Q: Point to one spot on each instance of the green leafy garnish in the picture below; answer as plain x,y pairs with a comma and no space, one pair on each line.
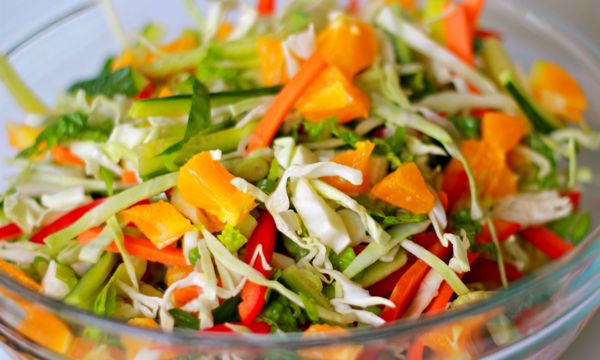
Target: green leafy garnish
462,221
469,127
283,315
125,81
324,129
68,127
199,118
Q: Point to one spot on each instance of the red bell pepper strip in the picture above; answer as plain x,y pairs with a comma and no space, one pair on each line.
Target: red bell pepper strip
574,196
146,92
10,232
257,327
409,283
547,241
455,184
63,221
487,33
253,295
504,230
265,7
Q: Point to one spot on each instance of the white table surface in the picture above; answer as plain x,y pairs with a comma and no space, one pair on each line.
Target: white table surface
19,17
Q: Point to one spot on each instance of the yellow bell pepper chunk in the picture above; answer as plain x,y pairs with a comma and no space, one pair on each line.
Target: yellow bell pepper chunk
21,136
349,44
557,91
272,62
160,222
126,59
206,184
332,94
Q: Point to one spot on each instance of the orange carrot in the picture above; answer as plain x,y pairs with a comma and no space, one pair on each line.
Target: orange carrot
64,156
459,38
139,247
473,10
184,295
129,177
285,101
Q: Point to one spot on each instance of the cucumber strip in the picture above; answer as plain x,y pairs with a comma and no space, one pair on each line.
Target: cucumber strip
84,293
541,121
380,270
179,105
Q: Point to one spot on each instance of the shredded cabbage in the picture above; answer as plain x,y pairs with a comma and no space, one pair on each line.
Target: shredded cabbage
452,103
529,209
51,285
428,290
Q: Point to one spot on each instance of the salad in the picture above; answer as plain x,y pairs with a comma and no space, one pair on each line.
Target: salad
306,167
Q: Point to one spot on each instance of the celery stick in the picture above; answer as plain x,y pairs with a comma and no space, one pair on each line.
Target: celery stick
84,293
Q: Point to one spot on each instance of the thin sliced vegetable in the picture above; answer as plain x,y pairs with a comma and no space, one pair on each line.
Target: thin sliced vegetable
547,241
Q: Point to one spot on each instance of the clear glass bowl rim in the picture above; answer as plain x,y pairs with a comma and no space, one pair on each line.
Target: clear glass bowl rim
585,251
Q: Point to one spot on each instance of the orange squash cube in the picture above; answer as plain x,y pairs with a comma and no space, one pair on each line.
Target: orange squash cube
406,189
160,222
206,184
358,159
557,91
332,94
349,44
272,62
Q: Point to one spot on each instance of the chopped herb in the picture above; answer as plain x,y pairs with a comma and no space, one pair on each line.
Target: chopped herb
125,81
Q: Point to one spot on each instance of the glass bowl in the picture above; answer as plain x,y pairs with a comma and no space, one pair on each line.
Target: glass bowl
550,306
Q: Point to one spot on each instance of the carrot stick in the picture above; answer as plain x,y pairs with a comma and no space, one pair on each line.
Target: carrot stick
409,283
547,241
473,9
184,295
64,156
459,38
129,177
285,101
141,248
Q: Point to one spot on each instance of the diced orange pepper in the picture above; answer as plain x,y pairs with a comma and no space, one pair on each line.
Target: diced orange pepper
332,94
358,159
165,91
160,222
126,59
558,91
502,130
272,62
184,295
458,34
224,30
64,156
405,188
408,5
338,352
175,273
492,175
21,136
206,184
129,177
349,44
210,221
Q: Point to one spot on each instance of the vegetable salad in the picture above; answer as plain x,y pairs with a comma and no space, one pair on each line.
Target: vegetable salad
305,167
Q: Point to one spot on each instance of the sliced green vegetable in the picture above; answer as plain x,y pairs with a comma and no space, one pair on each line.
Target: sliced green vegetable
305,282
179,105
251,168
342,260
573,227
539,118
126,81
84,293
65,274
184,319
232,238
496,61
469,127
380,270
